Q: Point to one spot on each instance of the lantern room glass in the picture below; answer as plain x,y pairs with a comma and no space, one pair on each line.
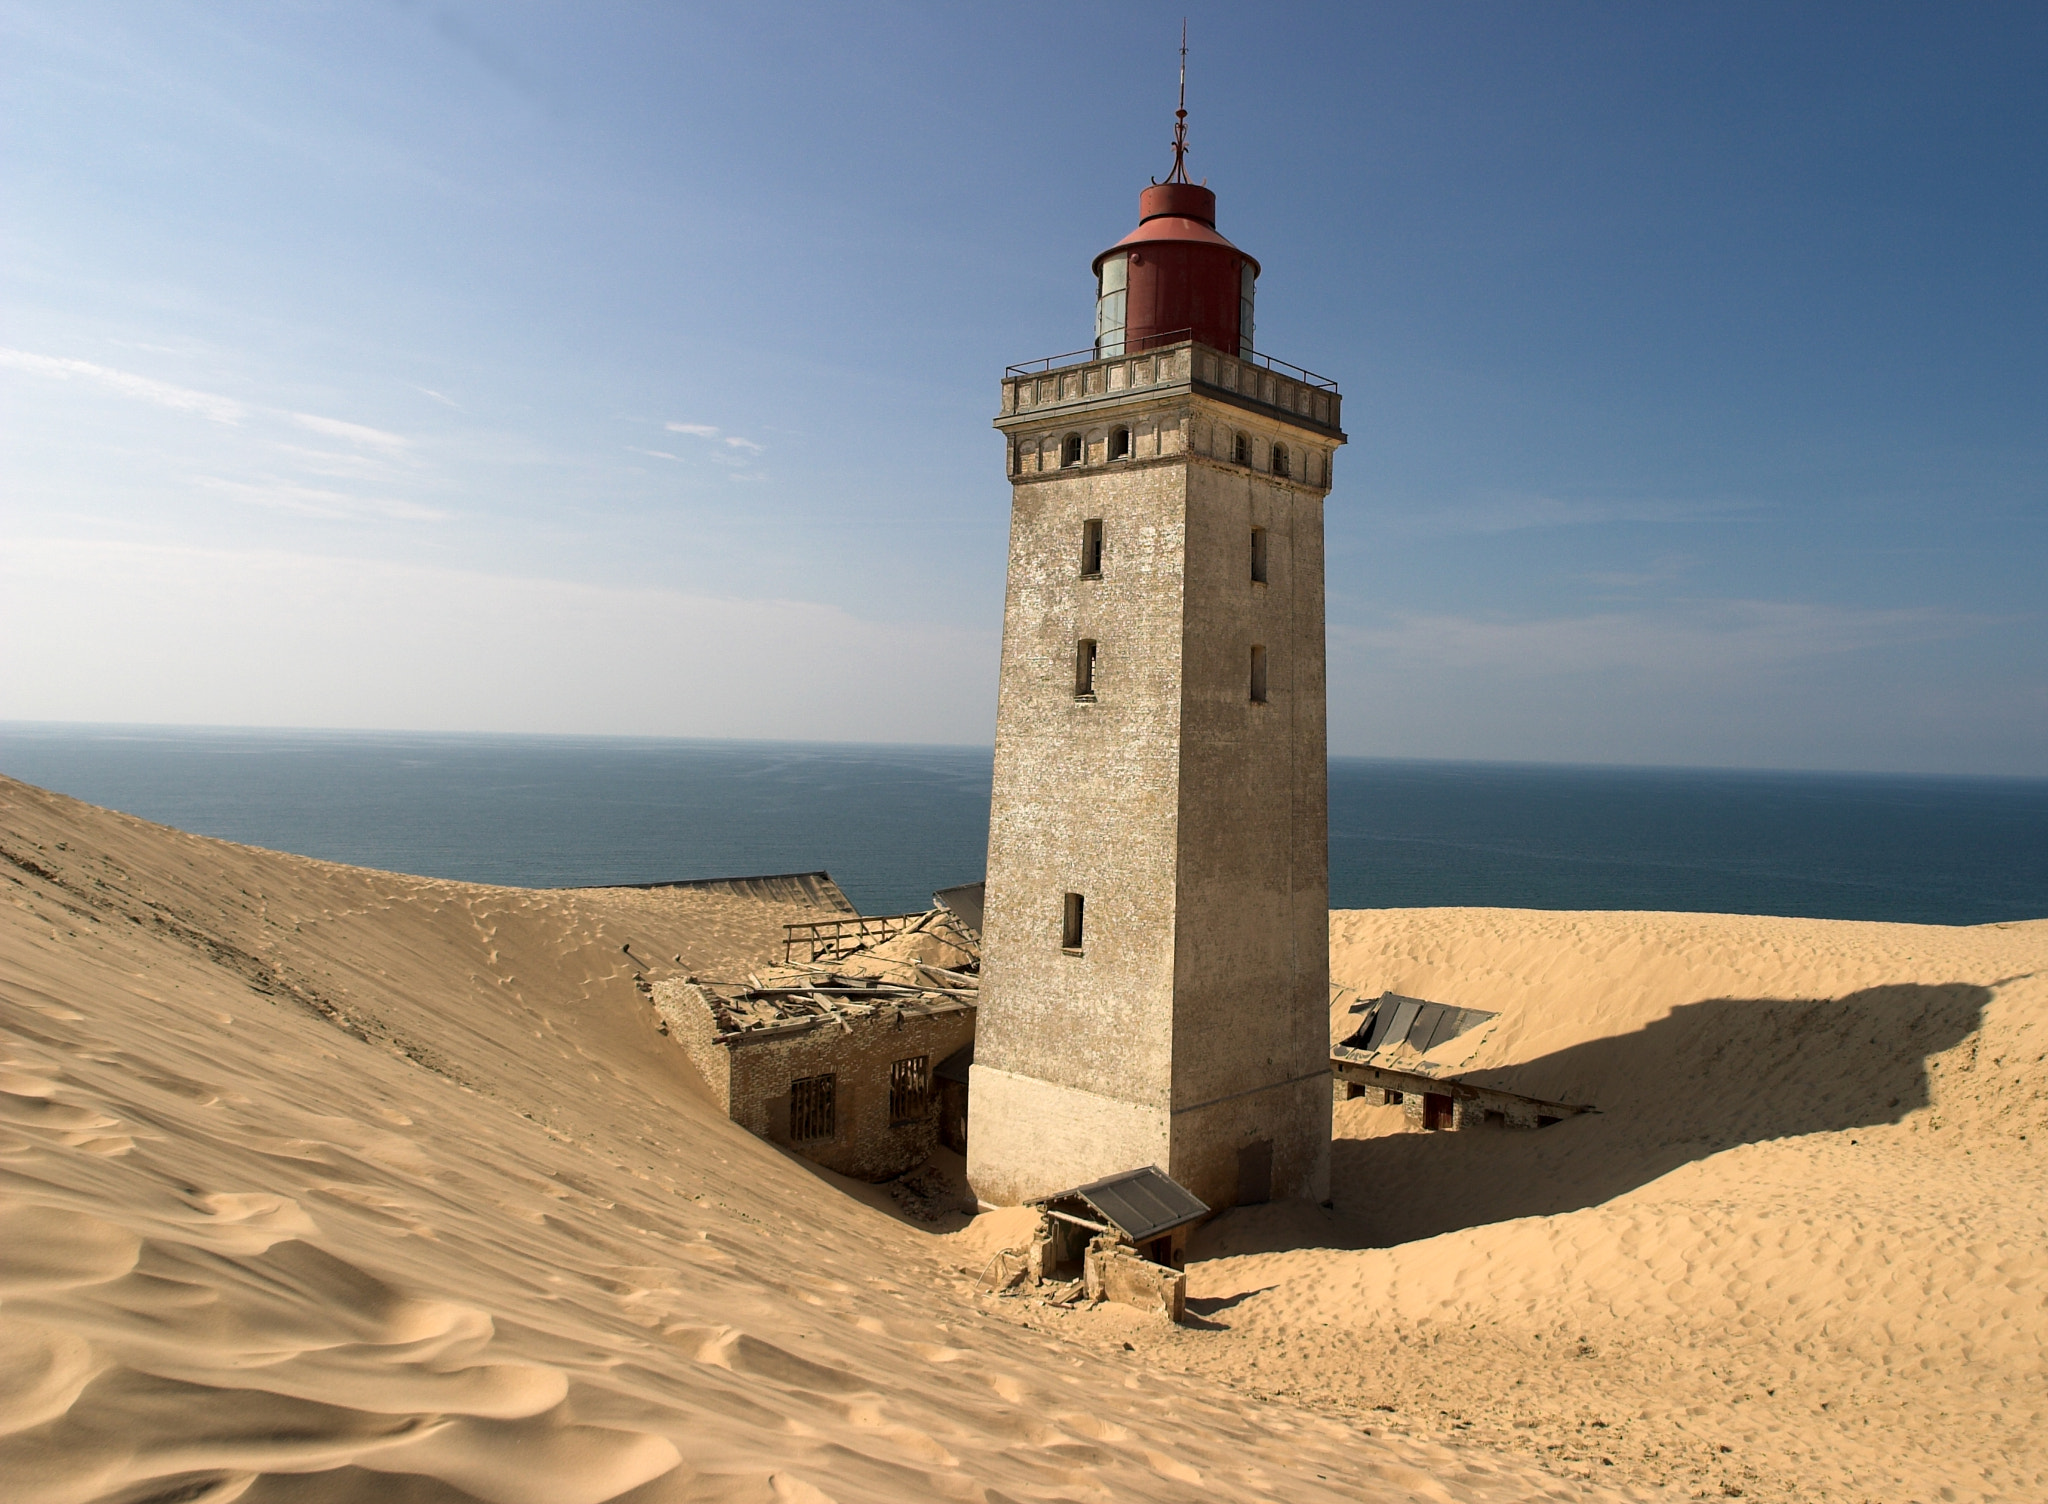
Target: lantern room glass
1247,286
1109,306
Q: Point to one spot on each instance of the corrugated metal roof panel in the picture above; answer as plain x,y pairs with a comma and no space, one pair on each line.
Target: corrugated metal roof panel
1395,1020
964,903
1141,1204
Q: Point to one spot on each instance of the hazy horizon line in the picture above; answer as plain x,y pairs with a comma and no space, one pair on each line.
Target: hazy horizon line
159,728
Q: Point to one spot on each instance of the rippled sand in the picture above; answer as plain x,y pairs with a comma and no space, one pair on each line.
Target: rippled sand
319,1183
1801,1252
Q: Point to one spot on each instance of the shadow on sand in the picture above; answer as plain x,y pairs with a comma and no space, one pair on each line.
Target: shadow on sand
1709,1076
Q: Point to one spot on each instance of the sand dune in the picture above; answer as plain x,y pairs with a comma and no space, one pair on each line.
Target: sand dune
1801,1252
326,1184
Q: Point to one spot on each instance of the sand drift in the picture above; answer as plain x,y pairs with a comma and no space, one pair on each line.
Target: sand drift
319,1183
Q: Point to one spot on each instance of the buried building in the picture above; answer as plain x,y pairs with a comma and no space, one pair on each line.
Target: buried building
836,1053
1392,1058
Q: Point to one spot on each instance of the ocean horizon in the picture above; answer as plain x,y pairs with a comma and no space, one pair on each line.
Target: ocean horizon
893,822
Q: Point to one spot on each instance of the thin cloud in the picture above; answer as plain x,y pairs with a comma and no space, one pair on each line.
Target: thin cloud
1710,637
350,464
427,391
354,433
1511,512
315,501
660,454
712,431
127,384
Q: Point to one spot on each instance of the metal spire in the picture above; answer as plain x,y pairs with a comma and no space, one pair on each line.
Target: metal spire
1180,116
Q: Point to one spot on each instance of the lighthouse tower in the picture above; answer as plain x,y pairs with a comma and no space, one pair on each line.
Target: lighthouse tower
1155,985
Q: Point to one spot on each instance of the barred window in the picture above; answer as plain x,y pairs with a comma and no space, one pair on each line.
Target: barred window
910,1089
813,1108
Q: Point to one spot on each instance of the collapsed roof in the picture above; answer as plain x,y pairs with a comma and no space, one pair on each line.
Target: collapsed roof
846,968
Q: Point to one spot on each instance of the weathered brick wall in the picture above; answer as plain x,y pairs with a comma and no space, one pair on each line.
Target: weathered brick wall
1115,1272
682,1007
866,1144
751,1078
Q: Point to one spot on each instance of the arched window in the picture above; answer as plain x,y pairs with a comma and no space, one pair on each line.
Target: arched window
1070,450
1280,460
1119,443
1240,450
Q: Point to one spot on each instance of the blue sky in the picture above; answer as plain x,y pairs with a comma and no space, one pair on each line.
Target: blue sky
628,369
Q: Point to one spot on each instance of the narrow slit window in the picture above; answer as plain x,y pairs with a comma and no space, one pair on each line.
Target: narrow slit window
814,1108
1072,929
1240,449
1119,443
1258,675
1070,450
910,1089
1259,555
1084,669
1280,460
1091,548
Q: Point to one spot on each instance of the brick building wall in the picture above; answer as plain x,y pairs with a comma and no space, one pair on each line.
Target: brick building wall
752,1076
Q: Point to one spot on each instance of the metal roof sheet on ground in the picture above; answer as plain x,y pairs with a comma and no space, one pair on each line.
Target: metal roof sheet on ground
1141,1204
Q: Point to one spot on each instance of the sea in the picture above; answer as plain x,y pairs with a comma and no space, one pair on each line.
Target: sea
892,823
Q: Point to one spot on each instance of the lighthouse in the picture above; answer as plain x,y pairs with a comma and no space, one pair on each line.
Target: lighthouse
1155,981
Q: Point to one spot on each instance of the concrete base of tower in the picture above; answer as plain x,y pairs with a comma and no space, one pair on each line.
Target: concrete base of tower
1269,1145
1027,1137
